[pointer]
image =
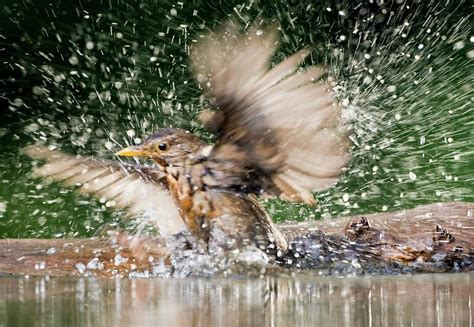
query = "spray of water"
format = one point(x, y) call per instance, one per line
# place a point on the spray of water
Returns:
point(95, 76)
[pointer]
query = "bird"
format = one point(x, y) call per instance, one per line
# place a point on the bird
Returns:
point(279, 133)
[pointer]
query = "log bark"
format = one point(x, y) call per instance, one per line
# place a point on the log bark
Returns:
point(436, 237)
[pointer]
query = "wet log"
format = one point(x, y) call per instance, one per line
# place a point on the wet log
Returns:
point(437, 237)
point(432, 238)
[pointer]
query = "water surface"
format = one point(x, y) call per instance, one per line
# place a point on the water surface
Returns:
point(298, 300)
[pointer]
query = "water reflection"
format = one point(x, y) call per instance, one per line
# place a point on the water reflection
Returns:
point(442, 300)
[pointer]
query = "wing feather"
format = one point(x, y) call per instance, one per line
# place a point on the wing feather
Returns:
point(141, 190)
point(283, 120)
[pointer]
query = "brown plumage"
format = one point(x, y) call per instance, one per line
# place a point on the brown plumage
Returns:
point(279, 134)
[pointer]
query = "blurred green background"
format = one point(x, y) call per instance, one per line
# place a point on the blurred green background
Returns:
point(90, 76)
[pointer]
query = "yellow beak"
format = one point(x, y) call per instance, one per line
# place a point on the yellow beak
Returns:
point(131, 151)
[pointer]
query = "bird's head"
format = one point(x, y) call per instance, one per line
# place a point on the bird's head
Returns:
point(169, 146)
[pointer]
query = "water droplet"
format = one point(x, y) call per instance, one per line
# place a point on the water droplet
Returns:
point(93, 264)
point(119, 260)
point(18, 102)
point(110, 203)
point(73, 60)
point(80, 267)
point(459, 45)
point(42, 220)
point(40, 265)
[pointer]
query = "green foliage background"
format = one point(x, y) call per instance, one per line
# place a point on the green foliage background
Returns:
point(90, 75)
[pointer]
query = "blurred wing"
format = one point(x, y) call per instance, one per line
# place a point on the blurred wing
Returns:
point(279, 122)
point(139, 189)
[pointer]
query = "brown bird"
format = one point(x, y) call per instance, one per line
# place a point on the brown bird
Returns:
point(279, 133)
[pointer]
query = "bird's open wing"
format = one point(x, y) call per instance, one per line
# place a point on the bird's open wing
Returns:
point(280, 122)
point(141, 190)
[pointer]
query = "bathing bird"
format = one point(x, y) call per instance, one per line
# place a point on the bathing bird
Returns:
point(279, 133)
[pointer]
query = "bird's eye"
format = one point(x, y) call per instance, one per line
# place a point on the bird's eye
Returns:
point(163, 146)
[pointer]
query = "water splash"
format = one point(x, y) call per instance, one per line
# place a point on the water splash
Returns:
point(94, 77)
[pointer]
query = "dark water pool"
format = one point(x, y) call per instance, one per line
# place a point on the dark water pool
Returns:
point(299, 300)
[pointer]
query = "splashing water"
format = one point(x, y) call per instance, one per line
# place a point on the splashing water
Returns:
point(91, 77)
